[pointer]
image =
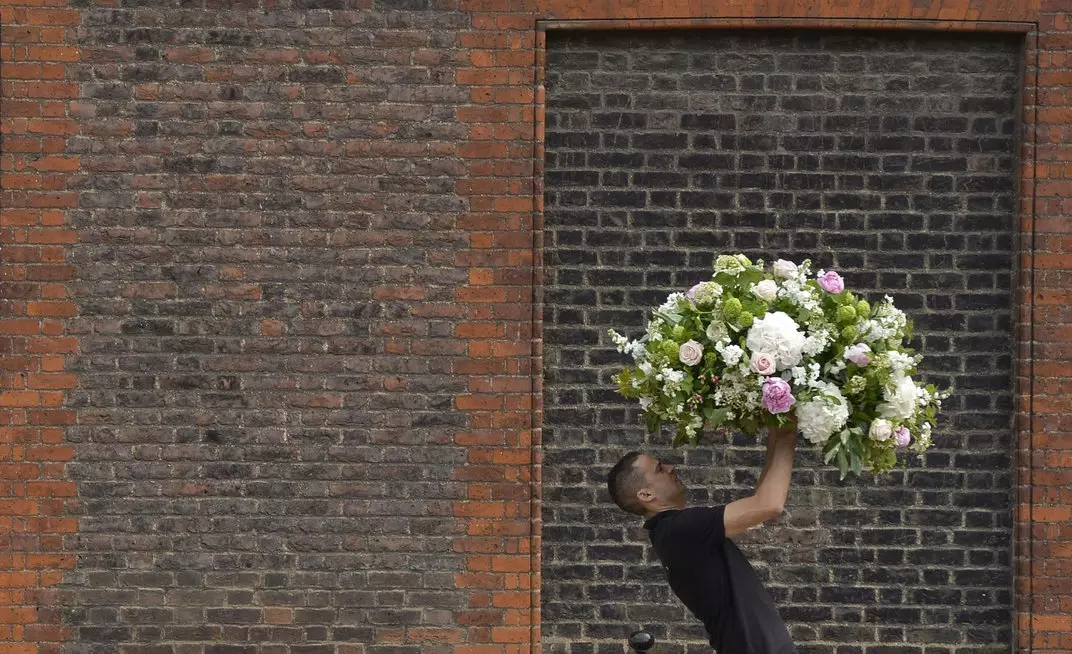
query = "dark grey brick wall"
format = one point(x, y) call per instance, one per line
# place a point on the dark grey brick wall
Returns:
point(266, 273)
point(892, 157)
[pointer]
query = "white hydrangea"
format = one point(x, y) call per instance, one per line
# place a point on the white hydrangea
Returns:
point(778, 335)
point(823, 415)
point(706, 293)
point(731, 264)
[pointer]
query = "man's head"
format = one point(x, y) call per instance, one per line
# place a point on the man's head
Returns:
point(643, 485)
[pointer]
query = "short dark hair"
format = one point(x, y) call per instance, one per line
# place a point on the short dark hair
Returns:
point(623, 482)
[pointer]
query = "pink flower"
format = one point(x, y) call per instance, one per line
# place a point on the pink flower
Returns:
point(860, 354)
point(762, 363)
point(777, 396)
point(691, 294)
point(690, 353)
point(902, 437)
point(831, 282)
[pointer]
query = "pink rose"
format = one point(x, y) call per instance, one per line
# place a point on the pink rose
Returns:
point(831, 282)
point(690, 353)
point(902, 437)
point(762, 363)
point(860, 354)
point(777, 396)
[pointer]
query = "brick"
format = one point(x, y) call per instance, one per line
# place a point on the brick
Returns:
point(277, 217)
point(586, 425)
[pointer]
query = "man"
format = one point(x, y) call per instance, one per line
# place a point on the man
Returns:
point(706, 570)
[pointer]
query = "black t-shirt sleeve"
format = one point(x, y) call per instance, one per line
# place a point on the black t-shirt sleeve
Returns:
point(701, 526)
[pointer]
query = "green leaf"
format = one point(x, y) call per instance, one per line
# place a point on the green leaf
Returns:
point(749, 426)
point(715, 417)
point(832, 453)
point(843, 463)
point(653, 423)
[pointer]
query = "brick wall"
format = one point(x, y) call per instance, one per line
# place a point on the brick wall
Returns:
point(267, 327)
point(892, 158)
point(39, 114)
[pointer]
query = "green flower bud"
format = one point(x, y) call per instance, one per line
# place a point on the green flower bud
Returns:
point(678, 331)
point(846, 314)
point(849, 333)
point(863, 309)
point(745, 319)
point(731, 307)
point(670, 349)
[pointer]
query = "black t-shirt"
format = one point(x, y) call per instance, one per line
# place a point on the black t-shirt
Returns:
point(715, 581)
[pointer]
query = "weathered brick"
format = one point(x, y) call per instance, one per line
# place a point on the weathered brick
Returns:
point(750, 193)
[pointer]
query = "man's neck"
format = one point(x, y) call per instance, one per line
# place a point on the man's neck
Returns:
point(657, 509)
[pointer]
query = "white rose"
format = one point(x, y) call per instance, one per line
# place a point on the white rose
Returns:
point(690, 353)
point(716, 331)
point(762, 363)
point(784, 269)
point(766, 290)
point(881, 429)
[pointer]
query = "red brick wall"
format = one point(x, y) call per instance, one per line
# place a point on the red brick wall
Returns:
point(497, 522)
point(38, 106)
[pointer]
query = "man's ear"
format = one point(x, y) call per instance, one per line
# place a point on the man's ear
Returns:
point(645, 495)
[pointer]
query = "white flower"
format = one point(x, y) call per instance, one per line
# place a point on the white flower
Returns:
point(779, 335)
point(901, 399)
point(730, 264)
point(899, 362)
point(731, 354)
point(784, 269)
point(816, 342)
point(856, 385)
point(671, 302)
point(923, 439)
point(762, 363)
point(704, 293)
point(637, 350)
point(645, 367)
point(821, 416)
point(716, 330)
point(690, 353)
point(881, 429)
point(645, 402)
point(673, 376)
point(766, 290)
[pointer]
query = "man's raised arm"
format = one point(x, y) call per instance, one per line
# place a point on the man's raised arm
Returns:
point(768, 501)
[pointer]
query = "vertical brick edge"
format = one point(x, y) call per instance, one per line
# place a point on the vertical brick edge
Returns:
point(39, 113)
point(499, 520)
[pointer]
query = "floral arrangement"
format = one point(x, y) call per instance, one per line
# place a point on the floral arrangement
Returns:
point(757, 347)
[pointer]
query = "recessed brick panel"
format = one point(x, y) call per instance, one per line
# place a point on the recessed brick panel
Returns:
point(890, 156)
